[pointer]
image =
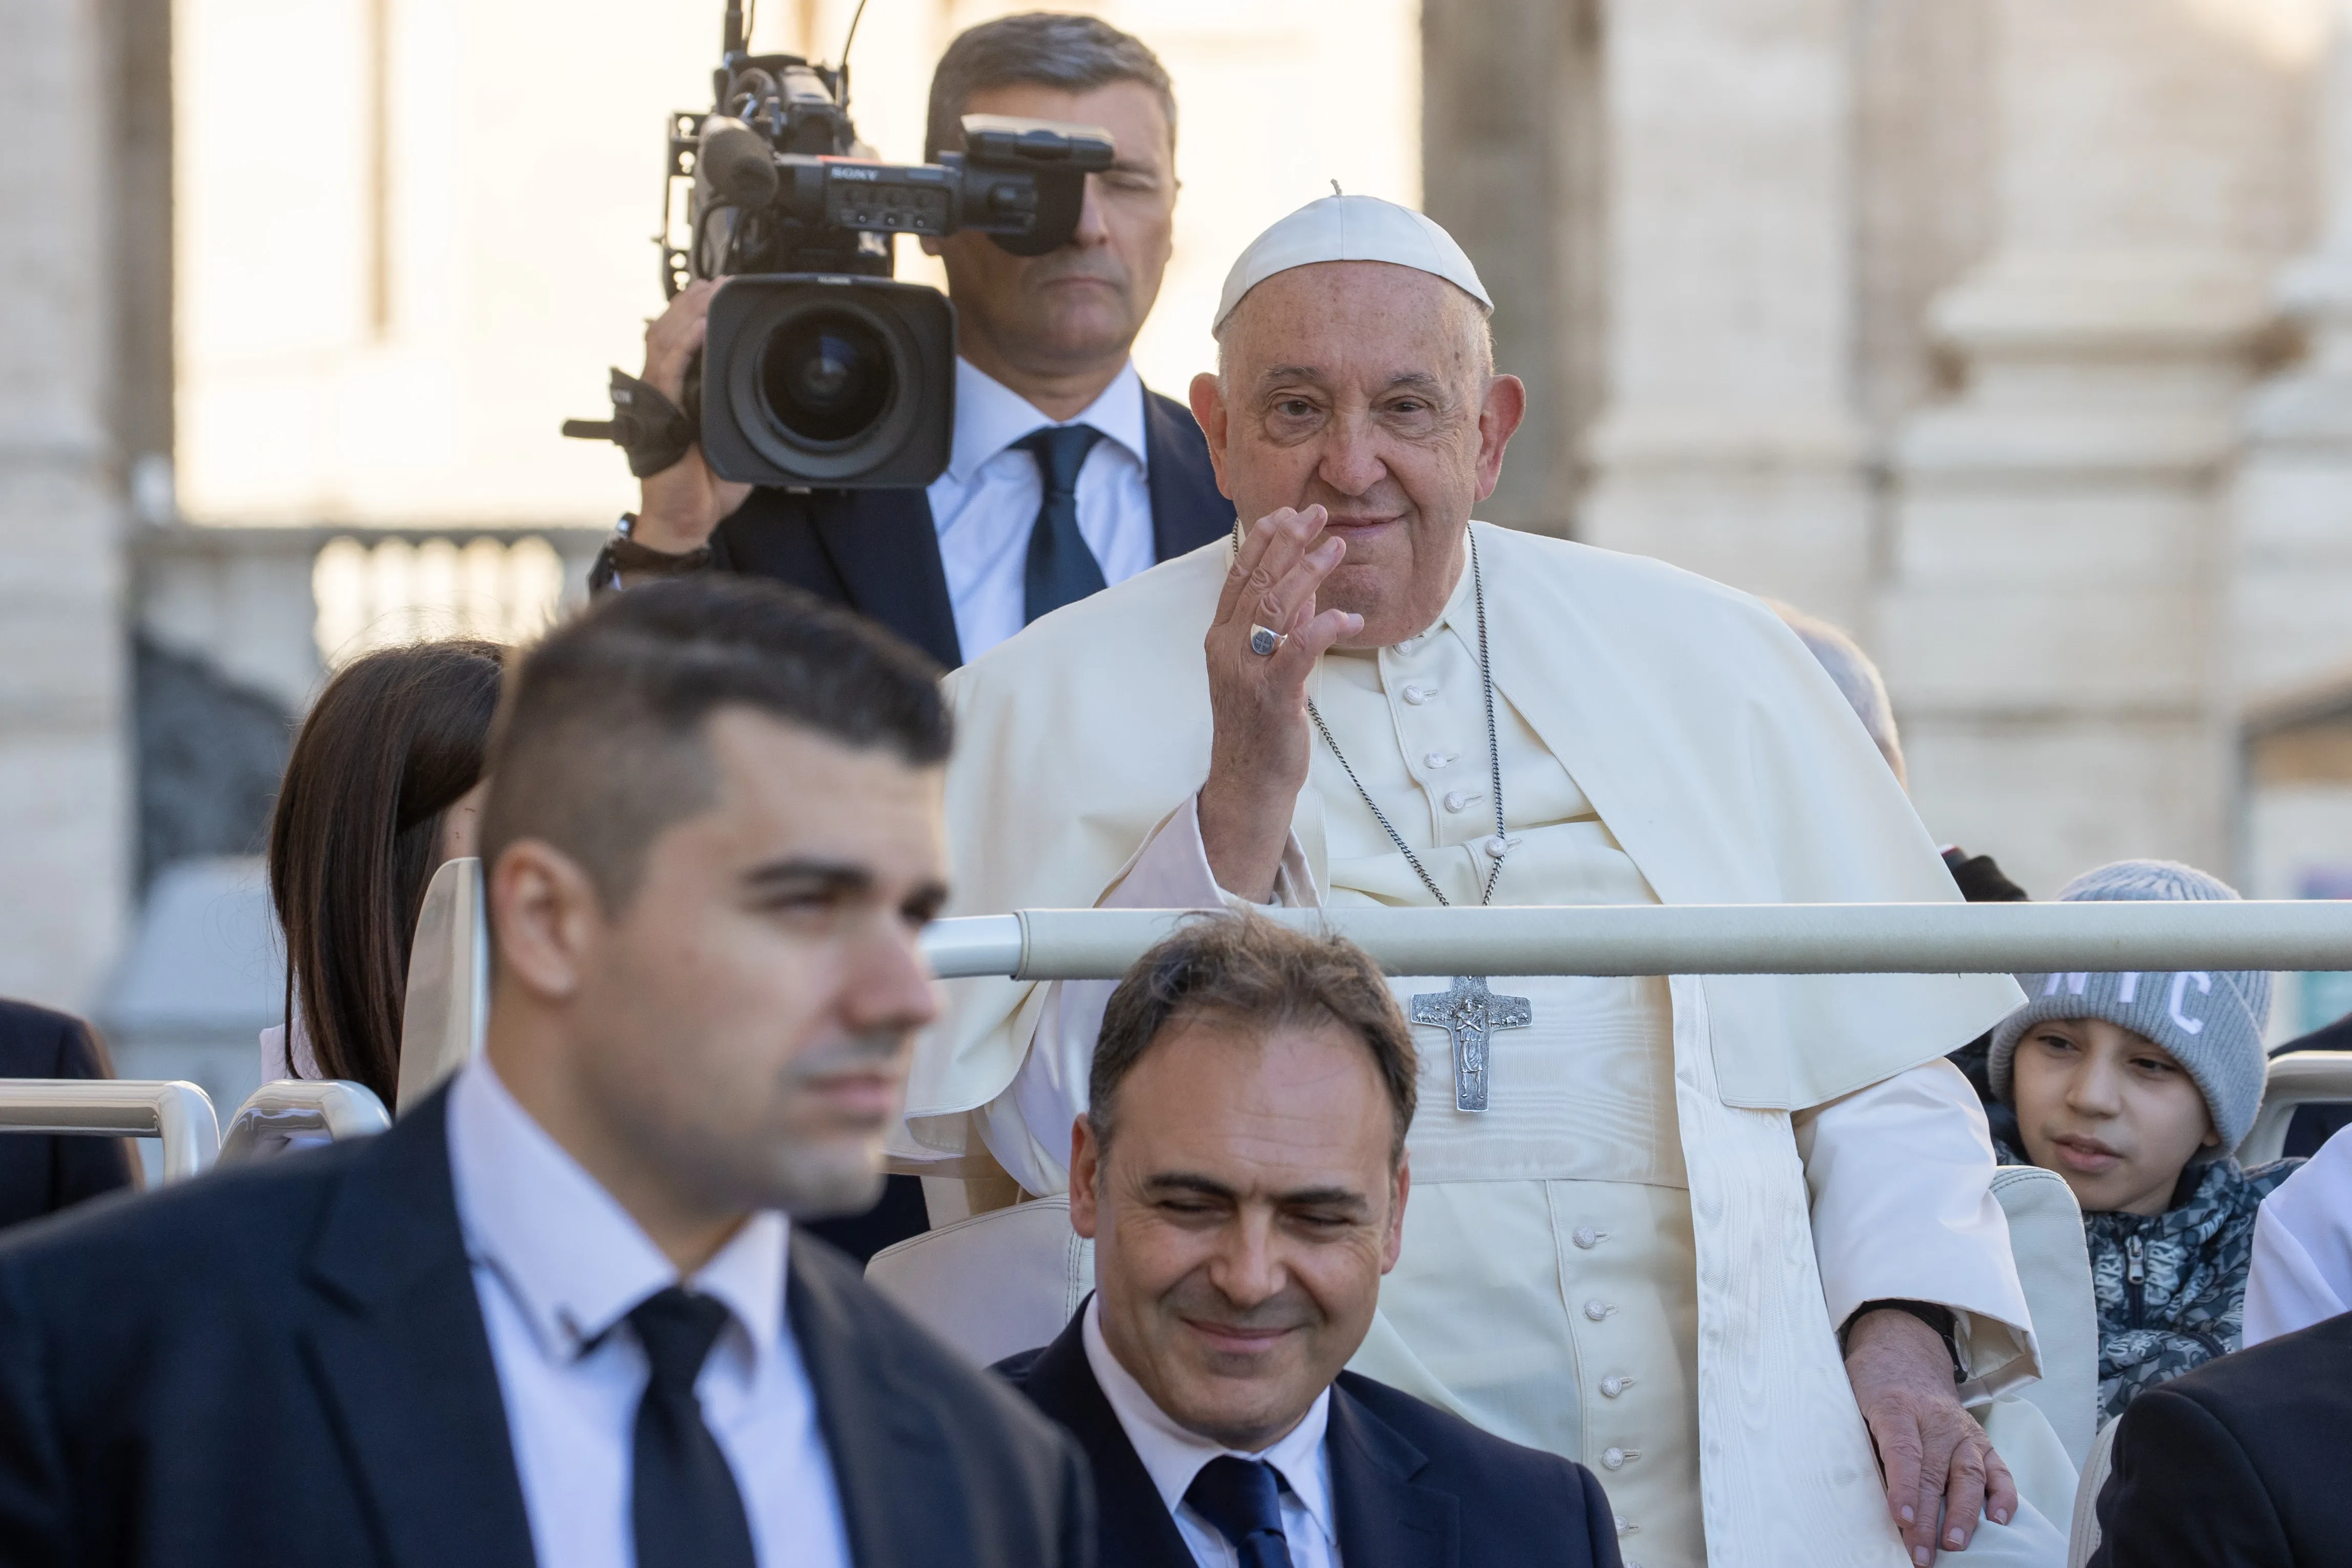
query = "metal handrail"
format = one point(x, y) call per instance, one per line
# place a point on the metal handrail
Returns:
point(179, 1114)
point(1704, 939)
point(293, 1106)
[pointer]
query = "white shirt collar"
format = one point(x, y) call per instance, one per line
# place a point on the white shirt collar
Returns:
point(569, 1254)
point(1172, 1455)
point(992, 416)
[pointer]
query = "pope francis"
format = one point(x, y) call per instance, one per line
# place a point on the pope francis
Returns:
point(1715, 1236)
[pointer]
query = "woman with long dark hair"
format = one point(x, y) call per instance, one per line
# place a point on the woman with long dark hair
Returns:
point(384, 785)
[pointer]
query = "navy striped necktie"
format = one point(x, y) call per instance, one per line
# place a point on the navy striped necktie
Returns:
point(1243, 1498)
point(1061, 569)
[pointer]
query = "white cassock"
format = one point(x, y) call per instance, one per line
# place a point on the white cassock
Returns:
point(1638, 1254)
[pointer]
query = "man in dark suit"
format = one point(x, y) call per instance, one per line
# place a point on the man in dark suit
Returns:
point(2239, 1464)
point(1066, 474)
point(41, 1175)
point(1241, 1172)
point(562, 1311)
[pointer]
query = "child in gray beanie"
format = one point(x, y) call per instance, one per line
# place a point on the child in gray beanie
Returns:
point(2137, 1089)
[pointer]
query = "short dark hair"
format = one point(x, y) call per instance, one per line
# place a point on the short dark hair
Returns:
point(600, 741)
point(1247, 970)
point(395, 739)
point(1037, 49)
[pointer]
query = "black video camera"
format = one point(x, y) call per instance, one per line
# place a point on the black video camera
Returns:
point(817, 370)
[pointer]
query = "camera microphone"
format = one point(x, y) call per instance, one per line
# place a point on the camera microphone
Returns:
point(736, 160)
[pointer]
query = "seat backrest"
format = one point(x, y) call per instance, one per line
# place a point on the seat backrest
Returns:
point(448, 998)
point(2083, 1539)
point(995, 1284)
point(2298, 1077)
point(2054, 1264)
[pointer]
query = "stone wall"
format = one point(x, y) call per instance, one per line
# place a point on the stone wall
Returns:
point(1959, 322)
point(65, 810)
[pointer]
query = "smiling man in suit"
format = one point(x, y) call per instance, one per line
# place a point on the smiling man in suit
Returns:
point(564, 1312)
point(1241, 1172)
point(1065, 473)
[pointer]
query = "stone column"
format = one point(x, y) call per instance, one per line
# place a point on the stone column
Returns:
point(2049, 635)
point(1511, 123)
point(2289, 632)
point(1729, 442)
point(64, 765)
point(2291, 620)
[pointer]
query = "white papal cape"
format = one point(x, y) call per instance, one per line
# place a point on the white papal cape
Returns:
point(1728, 769)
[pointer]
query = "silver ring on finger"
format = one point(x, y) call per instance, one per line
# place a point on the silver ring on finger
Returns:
point(1265, 642)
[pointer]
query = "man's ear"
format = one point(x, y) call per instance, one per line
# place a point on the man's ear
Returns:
point(1209, 409)
point(1393, 1248)
point(1499, 414)
point(1086, 1168)
point(546, 916)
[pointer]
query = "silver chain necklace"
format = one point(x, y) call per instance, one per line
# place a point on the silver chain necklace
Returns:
point(1500, 845)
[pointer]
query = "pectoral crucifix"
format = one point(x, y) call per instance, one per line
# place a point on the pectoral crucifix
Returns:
point(1468, 1013)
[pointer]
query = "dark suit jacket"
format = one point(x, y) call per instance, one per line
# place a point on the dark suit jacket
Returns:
point(286, 1364)
point(876, 551)
point(41, 1175)
point(2239, 1464)
point(1412, 1486)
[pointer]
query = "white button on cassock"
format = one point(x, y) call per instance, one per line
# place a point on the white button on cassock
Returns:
point(1613, 1386)
point(1586, 1237)
point(1597, 1311)
point(1461, 800)
point(1439, 758)
point(1613, 1458)
point(1417, 696)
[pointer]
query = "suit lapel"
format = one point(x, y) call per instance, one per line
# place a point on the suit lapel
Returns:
point(883, 544)
point(397, 1343)
point(885, 1447)
point(1134, 1528)
point(1385, 1521)
point(1186, 509)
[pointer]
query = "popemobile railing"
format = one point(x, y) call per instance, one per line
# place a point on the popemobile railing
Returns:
point(182, 1115)
point(1704, 939)
point(1746, 939)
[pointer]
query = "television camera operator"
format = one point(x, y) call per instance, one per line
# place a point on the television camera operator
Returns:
point(1065, 473)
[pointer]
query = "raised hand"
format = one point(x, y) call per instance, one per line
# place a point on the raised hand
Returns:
point(1263, 744)
point(678, 507)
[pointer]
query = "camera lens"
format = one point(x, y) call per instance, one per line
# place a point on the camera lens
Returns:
point(825, 376)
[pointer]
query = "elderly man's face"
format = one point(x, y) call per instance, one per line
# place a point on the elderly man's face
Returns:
point(1363, 388)
point(1242, 1216)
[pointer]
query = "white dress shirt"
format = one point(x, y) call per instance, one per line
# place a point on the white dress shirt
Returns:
point(557, 1265)
point(1173, 1457)
point(985, 504)
point(2302, 1268)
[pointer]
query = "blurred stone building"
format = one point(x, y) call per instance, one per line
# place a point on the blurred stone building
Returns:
point(2014, 334)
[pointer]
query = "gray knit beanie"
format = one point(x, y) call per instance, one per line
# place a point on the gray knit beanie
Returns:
point(2211, 1024)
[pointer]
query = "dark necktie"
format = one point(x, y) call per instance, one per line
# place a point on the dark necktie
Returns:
point(1061, 569)
point(683, 1503)
point(1243, 1498)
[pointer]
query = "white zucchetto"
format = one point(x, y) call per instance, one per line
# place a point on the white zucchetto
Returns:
point(1351, 228)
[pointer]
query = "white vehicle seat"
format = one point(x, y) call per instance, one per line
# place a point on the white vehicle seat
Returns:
point(2054, 1264)
point(448, 996)
point(2299, 1078)
point(2084, 1538)
point(995, 1284)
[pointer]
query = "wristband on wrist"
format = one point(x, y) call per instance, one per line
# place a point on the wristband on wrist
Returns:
point(1941, 1319)
point(623, 555)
